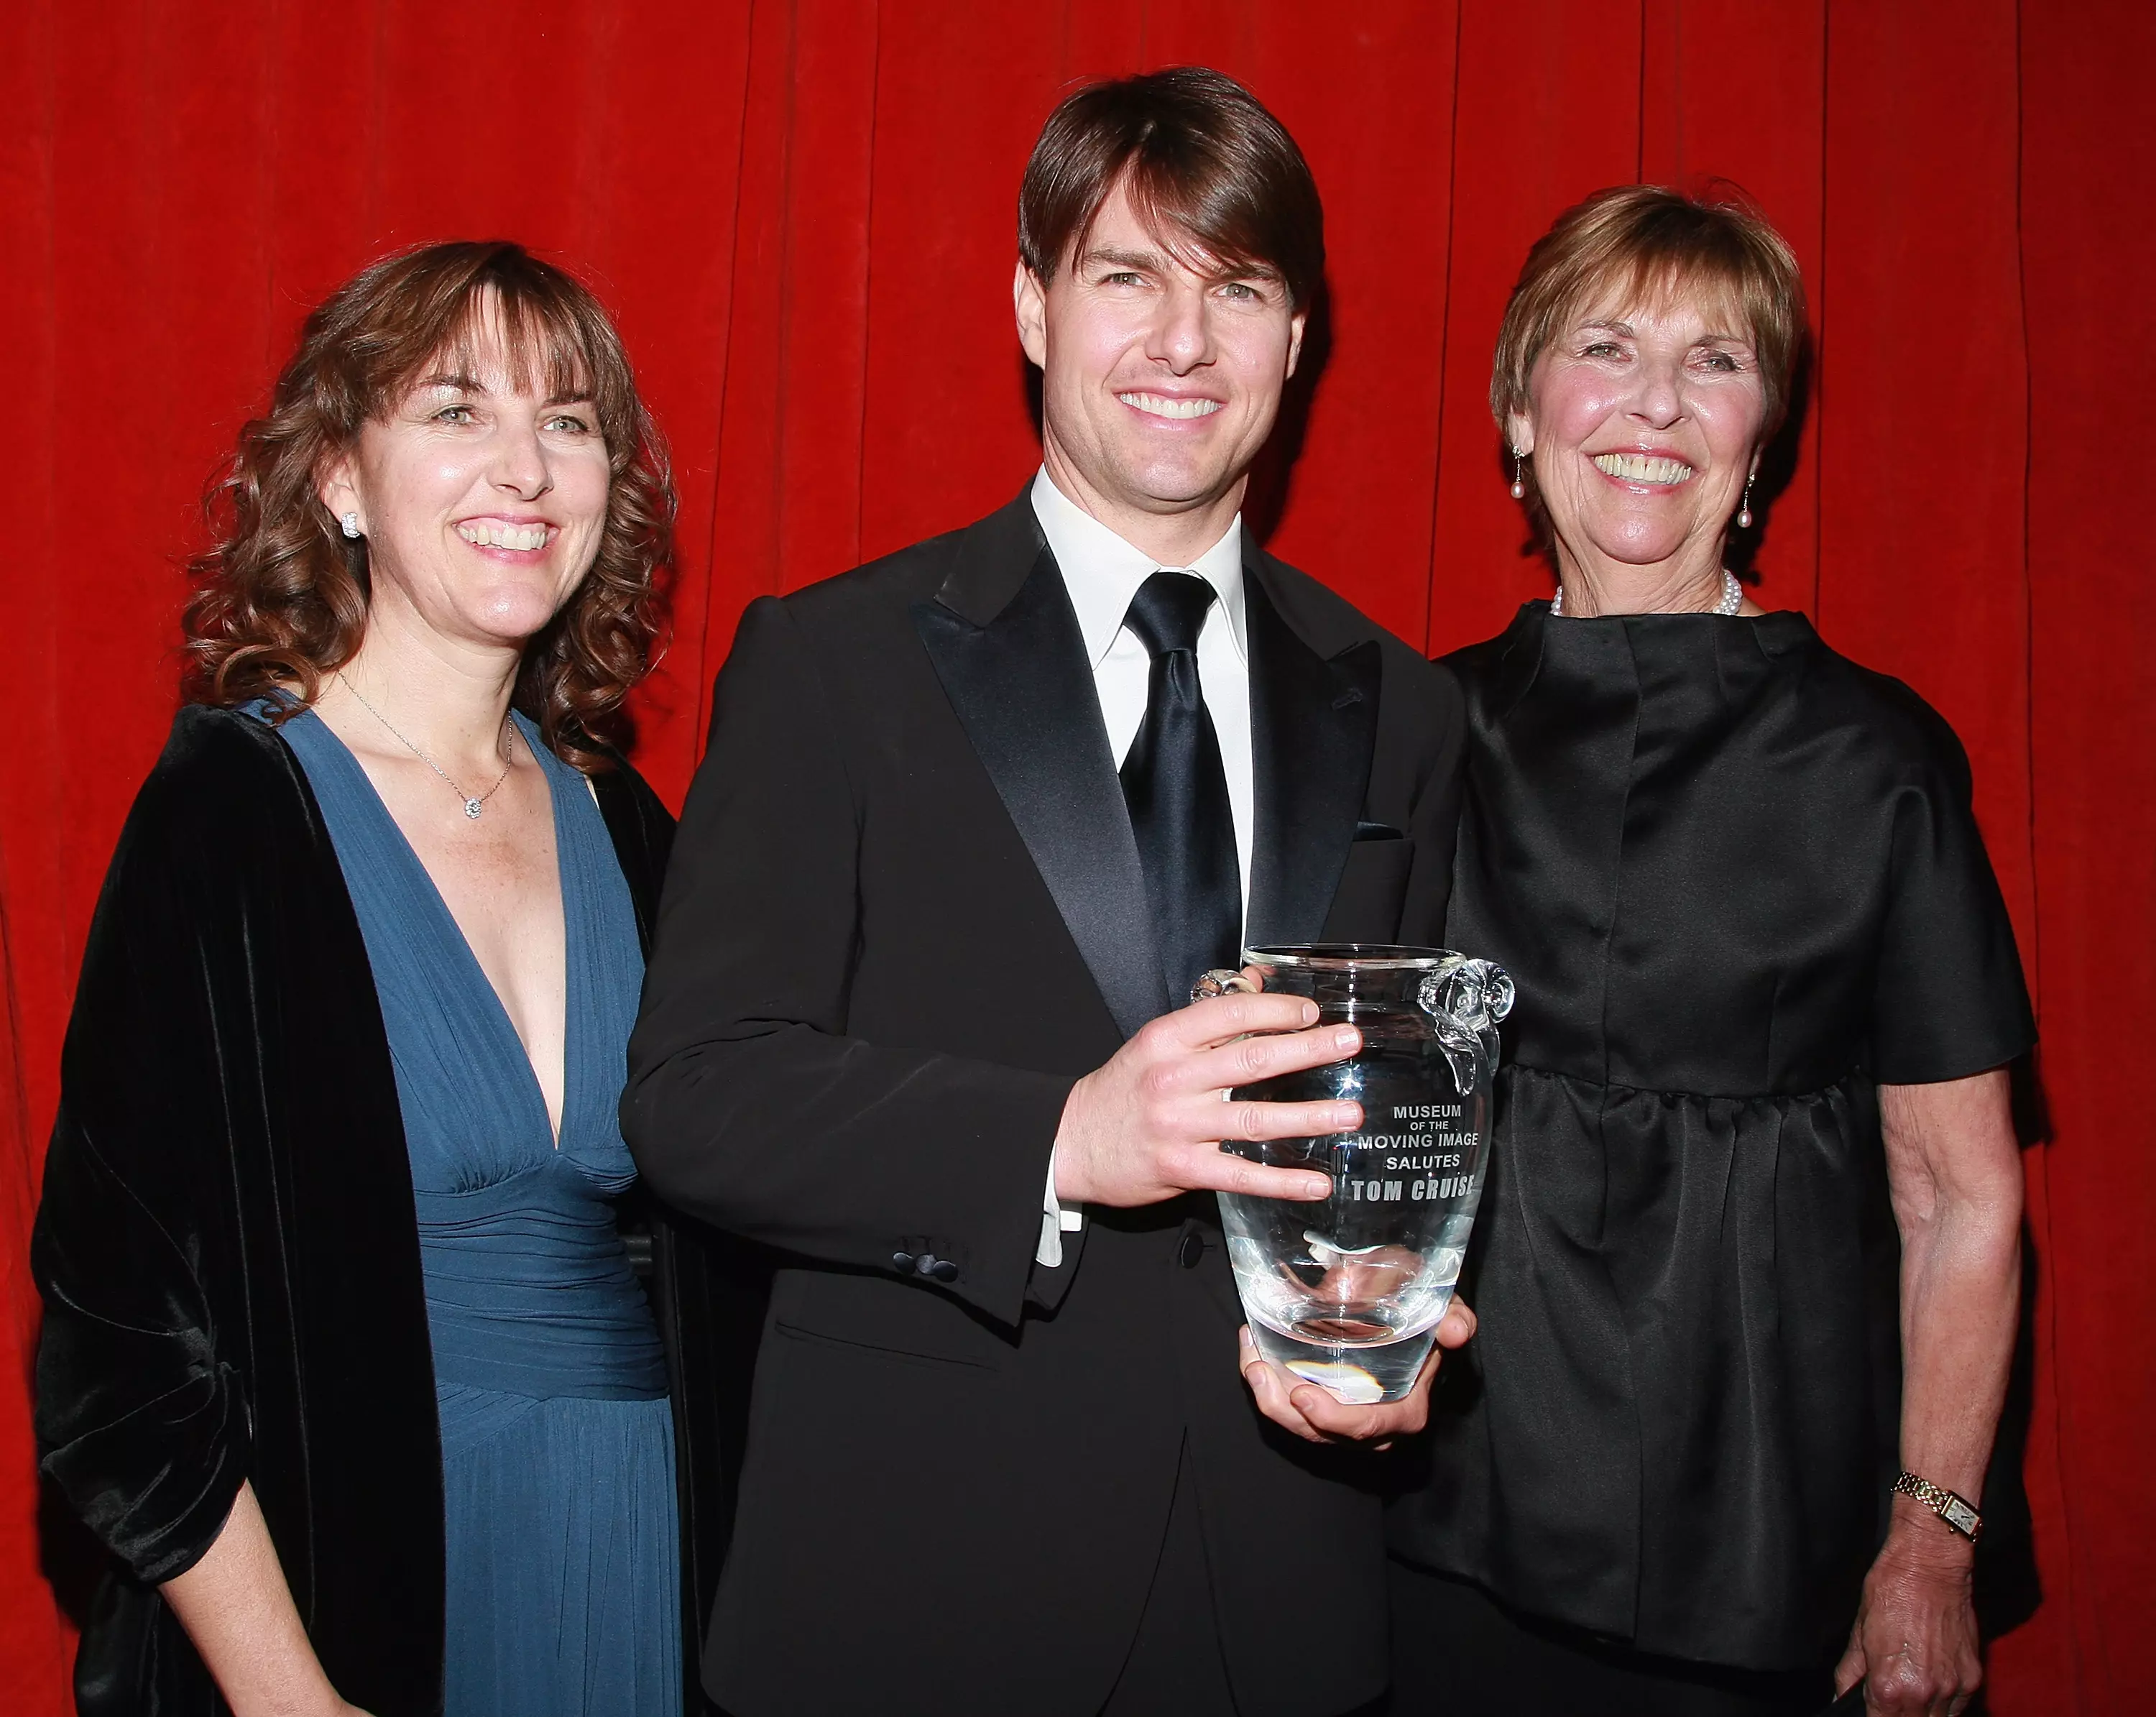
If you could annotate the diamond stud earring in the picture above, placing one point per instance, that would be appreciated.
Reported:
(351, 522)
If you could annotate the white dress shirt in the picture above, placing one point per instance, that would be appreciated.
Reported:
(1103, 573)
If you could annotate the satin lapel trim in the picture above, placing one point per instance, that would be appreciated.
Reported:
(1313, 724)
(1019, 681)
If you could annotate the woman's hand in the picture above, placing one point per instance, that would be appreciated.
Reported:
(1914, 1645)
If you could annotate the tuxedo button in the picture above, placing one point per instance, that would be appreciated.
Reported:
(943, 1269)
(905, 1262)
(1189, 1250)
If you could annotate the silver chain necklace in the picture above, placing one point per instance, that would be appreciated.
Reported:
(473, 806)
(1732, 597)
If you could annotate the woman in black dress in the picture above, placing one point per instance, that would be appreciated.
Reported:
(1749, 1251)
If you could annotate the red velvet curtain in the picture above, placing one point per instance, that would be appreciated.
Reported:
(804, 215)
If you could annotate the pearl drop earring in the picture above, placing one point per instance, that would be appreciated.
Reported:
(1744, 512)
(351, 523)
(1519, 485)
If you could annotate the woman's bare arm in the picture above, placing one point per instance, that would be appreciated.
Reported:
(1955, 1171)
(1954, 1167)
(237, 1609)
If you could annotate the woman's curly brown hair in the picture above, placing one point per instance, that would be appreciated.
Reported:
(283, 596)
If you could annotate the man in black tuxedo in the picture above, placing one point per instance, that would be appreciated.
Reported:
(972, 820)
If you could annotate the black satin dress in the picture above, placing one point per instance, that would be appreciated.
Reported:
(1736, 880)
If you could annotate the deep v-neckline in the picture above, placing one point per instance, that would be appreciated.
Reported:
(447, 930)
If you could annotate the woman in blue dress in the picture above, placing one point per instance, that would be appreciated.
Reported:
(344, 1357)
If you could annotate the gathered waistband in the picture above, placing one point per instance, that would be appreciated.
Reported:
(1833, 1090)
(529, 1291)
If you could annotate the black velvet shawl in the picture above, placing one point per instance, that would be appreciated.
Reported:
(227, 1245)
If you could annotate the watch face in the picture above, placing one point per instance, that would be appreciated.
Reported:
(1961, 1515)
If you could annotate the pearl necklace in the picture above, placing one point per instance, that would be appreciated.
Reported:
(1732, 597)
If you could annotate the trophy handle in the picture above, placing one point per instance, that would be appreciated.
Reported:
(1465, 998)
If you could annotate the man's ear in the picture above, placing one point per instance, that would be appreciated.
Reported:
(1029, 297)
(1296, 324)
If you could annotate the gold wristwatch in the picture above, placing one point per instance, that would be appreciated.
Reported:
(1955, 1510)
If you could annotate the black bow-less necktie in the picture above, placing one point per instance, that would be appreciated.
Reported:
(1178, 792)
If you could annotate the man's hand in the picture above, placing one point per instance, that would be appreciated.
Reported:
(1914, 1644)
(1148, 1124)
(1316, 1415)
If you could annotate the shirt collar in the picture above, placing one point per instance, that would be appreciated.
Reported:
(1102, 572)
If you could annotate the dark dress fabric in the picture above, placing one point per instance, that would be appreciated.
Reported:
(563, 1565)
(227, 1244)
(1456, 1650)
(1738, 882)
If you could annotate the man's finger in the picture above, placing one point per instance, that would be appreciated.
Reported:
(1252, 1122)
(1206, 1168)
(1247, 1060)
(1222, 1019)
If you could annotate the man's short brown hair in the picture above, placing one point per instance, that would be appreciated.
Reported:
(1200, 158)
(1642, 242)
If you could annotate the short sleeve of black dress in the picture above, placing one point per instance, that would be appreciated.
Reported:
(1949, 999)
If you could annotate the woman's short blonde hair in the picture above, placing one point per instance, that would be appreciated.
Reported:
(1643, 243)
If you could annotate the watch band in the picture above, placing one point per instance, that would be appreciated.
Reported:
(1950, 1507)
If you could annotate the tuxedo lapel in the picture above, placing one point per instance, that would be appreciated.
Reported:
(1006, 645)
(1313, 722)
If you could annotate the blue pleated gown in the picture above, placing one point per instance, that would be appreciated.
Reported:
(557, 1447)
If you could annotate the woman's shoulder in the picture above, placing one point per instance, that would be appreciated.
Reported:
(641, 827)
(223, 823)
(226, 774)
(1892, 719)
(1473, 664)
(210, 747)
(1505, 660)
(619, 783)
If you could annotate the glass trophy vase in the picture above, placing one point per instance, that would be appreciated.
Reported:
(1347, 1293)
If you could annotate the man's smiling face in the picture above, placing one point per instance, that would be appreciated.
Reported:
(1160, 369)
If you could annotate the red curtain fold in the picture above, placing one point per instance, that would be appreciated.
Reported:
(2088, 251)
(803, 214)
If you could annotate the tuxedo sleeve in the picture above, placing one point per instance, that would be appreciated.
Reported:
(748, 1104)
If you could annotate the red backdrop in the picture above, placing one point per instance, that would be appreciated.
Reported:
(804, 215)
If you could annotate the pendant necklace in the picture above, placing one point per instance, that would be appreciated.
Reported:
(473, 804)
(1732, 597)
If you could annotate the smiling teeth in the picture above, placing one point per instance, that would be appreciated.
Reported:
(1160, 406)
(483, 534)
(1641, 468)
